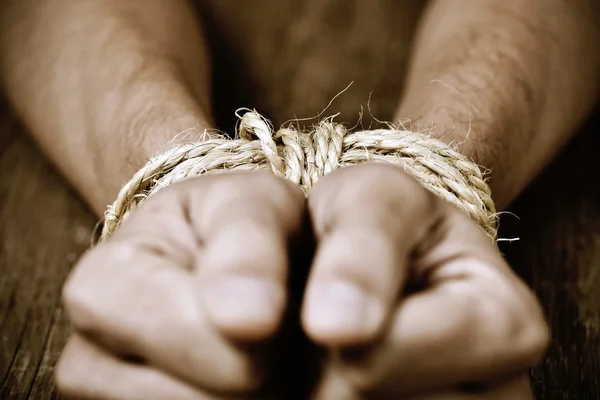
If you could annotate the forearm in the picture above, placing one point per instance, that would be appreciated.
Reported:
(507, 80)
(103, 85)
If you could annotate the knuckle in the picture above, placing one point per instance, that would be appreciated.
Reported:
(243, 375)
(463, 324)
(69, 377)
(534, 335)
(233, 187)
(256, 231)
(516, 324)
(67, 384)
(261, 190)
(361, 370)
(229, 187)
(82, 295)
(254, 179)
(384, 182)
(81, 305)
(496, 317)
(482, 319)
(534, 341)
(250, 372)
(276, 187)
(342, 259)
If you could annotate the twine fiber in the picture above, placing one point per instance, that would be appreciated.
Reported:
(304, 157)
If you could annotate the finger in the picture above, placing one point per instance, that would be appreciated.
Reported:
(133, 295)
(475, 321)
(514, 389)
(87, 372)
(334, 385)
(247, 222)
(141, 304)
(367, 220)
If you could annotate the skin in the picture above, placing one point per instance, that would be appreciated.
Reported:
(509, 81)
(525, 81)
(176, 250)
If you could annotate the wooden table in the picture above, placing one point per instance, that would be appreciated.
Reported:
(297, 56)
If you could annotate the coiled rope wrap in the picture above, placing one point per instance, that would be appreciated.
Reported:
(304, 157)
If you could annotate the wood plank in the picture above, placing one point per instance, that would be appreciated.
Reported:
(43, 230)
(559, 255)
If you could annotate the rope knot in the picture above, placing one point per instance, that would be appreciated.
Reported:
(254, 124)
(301, 157)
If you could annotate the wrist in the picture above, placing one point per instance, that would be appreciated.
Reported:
(128, 127)
(103, 96)
(479, 128)
(509, 92)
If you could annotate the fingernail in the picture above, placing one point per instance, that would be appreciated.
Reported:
(342, 311)
(245, 306)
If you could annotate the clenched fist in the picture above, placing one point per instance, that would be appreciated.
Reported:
(410, 298)
(191, 278)
(405, 296)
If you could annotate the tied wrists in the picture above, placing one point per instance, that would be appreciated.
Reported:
(304, 157)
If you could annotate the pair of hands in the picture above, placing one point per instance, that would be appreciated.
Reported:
(406, 296)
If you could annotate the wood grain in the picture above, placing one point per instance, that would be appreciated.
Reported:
(288, 59)
(43, 230)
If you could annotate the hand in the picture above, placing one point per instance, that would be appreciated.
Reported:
(510, 389)
(181, 302)
(407, 294)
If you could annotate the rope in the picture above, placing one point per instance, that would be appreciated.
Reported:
(304, 157)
